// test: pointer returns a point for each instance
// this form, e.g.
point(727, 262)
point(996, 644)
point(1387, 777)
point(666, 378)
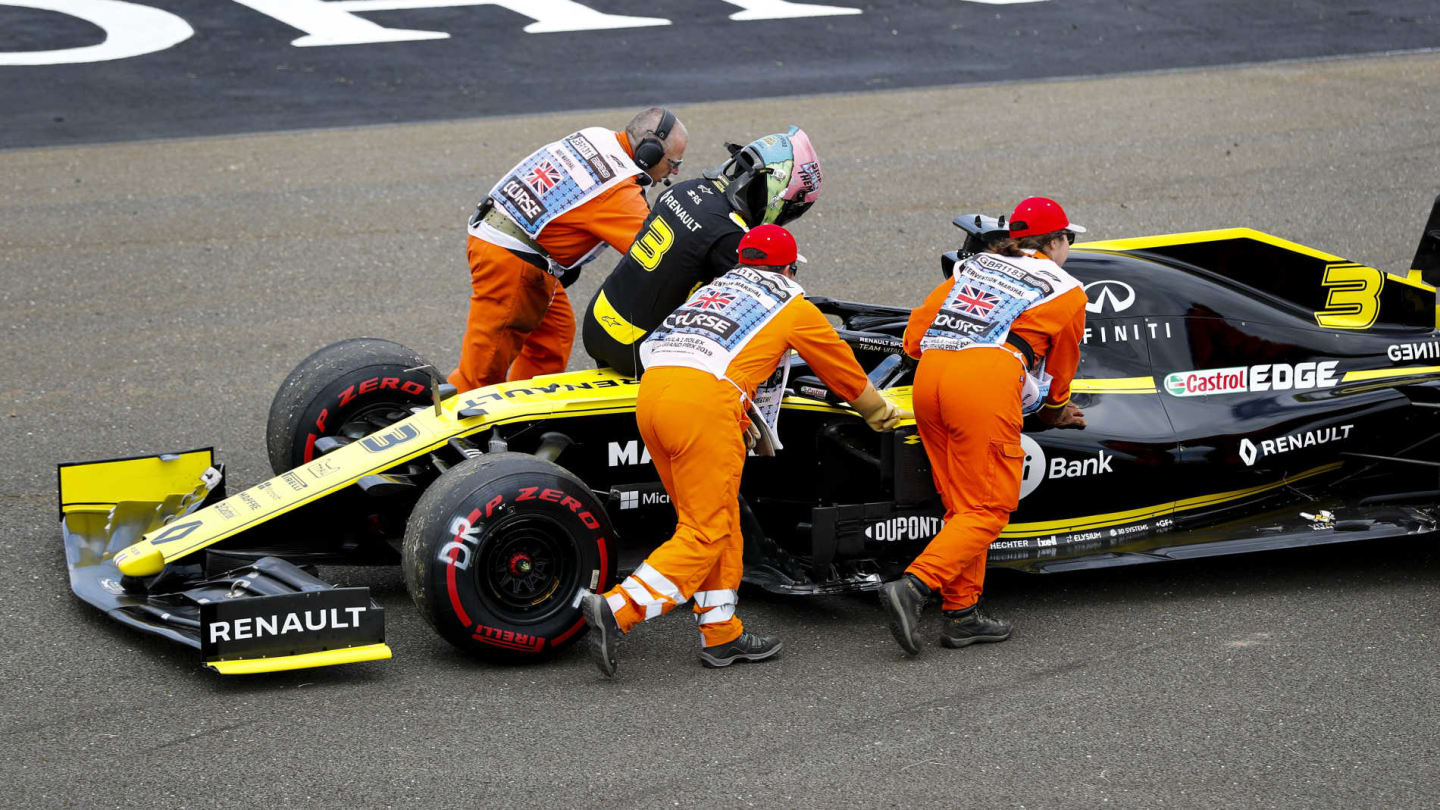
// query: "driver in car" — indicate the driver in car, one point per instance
point(690, 238)
point(997, 341)
point(708, 363)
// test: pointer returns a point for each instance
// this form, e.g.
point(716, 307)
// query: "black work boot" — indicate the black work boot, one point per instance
point(971, 626)
point(904, 599)
point(748, 647)
point(604, 634)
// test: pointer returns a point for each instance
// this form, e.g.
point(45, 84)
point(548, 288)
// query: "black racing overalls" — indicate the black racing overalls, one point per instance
point(689, 239)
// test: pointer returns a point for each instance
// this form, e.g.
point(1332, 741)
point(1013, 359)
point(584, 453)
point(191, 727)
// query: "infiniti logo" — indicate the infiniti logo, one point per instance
point(1117, 296)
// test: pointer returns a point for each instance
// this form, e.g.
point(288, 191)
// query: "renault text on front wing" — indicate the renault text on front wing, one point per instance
point(1241, 379)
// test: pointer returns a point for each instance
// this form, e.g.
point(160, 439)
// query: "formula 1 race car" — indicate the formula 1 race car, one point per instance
point(1242, 392)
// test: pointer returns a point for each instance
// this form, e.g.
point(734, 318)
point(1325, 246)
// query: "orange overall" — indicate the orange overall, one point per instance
point(520, 317)
point(967, 407)
point(692, 424)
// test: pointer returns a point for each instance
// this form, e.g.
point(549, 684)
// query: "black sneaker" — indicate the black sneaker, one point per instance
point(748, 647)
point(904, 599)
point(971, 626)
point(604, 635)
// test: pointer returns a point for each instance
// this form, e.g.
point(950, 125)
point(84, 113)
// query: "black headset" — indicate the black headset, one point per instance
point(651, 149)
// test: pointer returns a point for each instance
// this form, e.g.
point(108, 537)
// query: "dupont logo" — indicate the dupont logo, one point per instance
point(909, 527)
point(1241, 379)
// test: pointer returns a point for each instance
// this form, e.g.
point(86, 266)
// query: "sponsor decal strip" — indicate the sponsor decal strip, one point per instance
point(1242, 379)
point(1146, 512)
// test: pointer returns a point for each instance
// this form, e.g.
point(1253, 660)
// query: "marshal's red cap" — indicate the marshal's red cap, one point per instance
point(1036, 216)
point(768, 245)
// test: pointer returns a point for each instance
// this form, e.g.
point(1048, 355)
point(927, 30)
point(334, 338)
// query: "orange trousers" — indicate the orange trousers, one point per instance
point(691, 423)
point(520, 322)
point(967, 406)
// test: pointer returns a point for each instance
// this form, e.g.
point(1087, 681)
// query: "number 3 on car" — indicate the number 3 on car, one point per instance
point(650, 247)
point(1353, 300)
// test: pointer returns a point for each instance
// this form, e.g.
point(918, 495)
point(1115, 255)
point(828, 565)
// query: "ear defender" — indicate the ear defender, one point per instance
point(651, 149)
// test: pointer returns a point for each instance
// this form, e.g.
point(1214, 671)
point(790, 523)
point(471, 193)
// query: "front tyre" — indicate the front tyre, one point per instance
point(497, 550)
point(349, 389)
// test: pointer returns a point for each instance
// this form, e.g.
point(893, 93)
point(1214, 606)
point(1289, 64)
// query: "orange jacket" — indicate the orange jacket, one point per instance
point(799, 326)
point(614, 217)
point(1053, 329)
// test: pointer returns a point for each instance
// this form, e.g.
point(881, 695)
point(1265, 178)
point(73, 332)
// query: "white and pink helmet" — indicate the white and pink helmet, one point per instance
point(791, 169)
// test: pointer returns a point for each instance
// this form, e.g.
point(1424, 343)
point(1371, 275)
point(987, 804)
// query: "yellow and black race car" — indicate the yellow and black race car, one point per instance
point(1242, 392)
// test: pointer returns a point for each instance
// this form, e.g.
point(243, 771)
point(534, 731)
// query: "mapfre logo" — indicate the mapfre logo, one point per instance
point(1242, 379)
point(627, 454)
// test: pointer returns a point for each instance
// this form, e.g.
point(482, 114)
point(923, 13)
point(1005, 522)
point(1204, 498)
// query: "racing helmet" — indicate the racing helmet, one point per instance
point(772, 180)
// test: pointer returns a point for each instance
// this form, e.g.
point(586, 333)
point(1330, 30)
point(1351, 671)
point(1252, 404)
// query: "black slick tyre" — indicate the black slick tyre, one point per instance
point(360, 383)
point(497, 551)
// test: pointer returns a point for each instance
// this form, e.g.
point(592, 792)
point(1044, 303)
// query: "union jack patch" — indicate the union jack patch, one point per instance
point(714, 300)
point(543, 177)
point(975, 301)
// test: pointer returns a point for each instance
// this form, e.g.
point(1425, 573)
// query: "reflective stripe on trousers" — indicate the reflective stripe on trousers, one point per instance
point(715, 606)
point(648, 589)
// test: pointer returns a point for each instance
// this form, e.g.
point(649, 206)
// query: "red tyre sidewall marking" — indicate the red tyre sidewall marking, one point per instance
point(450, 576)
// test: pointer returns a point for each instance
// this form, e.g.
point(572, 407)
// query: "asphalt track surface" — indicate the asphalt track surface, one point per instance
point(238, 70)
point(154, 295)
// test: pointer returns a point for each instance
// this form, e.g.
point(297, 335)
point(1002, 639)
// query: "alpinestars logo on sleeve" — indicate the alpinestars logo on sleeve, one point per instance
point(714, 300)
point(975, 301)
point(543, 177)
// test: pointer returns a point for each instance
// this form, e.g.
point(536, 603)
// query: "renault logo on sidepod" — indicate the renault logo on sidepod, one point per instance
point(1108, 295)
point(1247, 452)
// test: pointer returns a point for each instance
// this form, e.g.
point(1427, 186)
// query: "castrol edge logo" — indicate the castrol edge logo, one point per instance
point(1240, 379)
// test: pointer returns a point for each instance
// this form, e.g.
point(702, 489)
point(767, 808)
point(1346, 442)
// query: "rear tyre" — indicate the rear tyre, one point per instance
point(497, 550)
point(356, 386)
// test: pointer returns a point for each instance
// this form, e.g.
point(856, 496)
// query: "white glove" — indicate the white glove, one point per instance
point(752, 436)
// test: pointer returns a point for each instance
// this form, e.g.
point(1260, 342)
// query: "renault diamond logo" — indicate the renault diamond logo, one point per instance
point(1247, 452)
point(1108, 295)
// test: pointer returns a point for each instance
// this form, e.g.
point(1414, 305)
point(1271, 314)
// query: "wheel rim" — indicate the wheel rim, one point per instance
point(363, 421)
point(526, 562)
point(372, 418)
